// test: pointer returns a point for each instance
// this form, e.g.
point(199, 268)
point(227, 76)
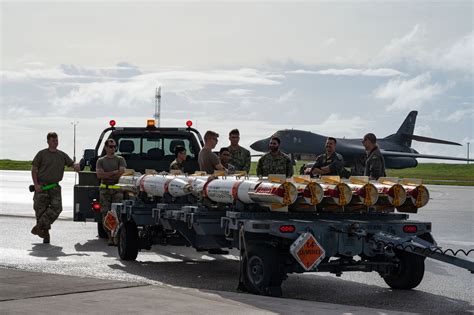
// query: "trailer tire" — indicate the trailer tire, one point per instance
point(101, 231)
point(261, 272)
point(128, 241)
point(409, 272)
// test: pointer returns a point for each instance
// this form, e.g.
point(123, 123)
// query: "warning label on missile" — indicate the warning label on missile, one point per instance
point(307, 251)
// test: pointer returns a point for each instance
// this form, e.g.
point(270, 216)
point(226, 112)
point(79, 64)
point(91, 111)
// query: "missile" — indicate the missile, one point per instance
point(309, 191)
point(158, 185)
point(390, 192)
point(417, 195)
point(228, 190)
point(129, 182)
point(335, 191)
point(197, 183)
point(273, 193)
point(363, 192)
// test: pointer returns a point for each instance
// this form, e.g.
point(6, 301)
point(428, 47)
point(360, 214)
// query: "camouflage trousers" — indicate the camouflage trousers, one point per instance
point(48, 206)
point(107, 197)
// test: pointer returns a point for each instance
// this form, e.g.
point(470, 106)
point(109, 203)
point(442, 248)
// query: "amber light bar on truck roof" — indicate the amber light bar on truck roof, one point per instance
point(150, 123)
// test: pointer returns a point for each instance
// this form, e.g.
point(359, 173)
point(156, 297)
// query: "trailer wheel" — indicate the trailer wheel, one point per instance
point(261, 272)
point(409, 272)
point(128, 241)
point(101, 231)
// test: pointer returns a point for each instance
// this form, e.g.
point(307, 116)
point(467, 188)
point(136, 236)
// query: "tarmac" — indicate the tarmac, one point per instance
point(25, 292)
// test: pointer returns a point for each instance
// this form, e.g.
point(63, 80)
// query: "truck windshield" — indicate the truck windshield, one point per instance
point(152, 147)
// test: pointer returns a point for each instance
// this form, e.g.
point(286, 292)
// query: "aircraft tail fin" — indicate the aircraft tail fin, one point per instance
point(405, 132)
point(405, 135)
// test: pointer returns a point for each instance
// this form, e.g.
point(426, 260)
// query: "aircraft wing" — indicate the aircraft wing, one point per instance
point(424, 156)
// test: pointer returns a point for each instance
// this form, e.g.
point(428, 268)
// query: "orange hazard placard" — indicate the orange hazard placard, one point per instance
point(307, 251)
point(110, 221)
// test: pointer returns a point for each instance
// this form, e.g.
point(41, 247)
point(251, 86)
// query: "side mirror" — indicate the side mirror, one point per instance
point(89, 155)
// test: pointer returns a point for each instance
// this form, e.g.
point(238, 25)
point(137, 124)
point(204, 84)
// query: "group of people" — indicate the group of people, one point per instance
point(332, 163)
point(230, 159)
point(48, 170)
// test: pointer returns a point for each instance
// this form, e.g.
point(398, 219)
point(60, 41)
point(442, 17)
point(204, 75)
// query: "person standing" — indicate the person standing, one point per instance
point(275, 161)
point(109, 168)
point(328, 163)
point(375, 163)
point(180, 157)
point(47, 171)
point(240, 157)
point(208, 160)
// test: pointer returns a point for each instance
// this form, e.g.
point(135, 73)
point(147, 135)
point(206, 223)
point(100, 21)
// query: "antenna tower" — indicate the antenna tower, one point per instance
point(158, 106)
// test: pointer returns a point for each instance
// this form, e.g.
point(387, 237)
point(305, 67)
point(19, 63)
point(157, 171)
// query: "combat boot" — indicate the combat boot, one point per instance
point(36, 230)
point(46, 238)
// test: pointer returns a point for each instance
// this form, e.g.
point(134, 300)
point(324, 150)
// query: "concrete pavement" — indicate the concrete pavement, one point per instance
point(24, 292)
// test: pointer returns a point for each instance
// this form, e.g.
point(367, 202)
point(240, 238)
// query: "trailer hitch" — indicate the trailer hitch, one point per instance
point(418, 246)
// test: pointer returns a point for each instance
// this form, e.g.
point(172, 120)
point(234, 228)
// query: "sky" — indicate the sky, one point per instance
point(338, 68)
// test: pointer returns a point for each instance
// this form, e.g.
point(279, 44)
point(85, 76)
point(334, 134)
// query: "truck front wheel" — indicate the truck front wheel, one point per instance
point(128, 241)
point(408, 274)
point(262, 274)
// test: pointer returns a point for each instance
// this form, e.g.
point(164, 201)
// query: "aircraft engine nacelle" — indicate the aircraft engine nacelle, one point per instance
point(400, 162)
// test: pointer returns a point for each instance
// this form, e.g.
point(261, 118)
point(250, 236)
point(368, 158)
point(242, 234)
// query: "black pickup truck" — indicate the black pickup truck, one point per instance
point(143, 148)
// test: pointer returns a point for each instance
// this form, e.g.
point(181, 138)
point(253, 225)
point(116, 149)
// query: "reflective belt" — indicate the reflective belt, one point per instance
point(49, 186)
point(109, 186)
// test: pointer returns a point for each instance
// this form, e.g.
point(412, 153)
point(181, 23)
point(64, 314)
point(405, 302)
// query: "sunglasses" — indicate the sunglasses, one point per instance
point(112, 146)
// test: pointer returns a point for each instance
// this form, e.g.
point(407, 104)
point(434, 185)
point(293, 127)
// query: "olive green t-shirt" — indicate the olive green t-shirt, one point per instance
point(51, 165)
point(110, 165)
point(207, 161)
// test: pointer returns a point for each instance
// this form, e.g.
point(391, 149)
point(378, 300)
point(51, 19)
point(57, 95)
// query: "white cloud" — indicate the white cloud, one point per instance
point(380, 72)
point(411, 93)
point(329, 42)
point(239, 92)
point(406, 47)
point(34, 74)
point(466, 113)
point(302, 71)
point(411, 49)
point(338, 126)
point(70, 88)
point(285, 97)
point(460, 56)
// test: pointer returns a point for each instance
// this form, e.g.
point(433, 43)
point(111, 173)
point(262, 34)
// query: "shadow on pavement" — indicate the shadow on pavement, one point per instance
point(223, 275)
point(50, 252)
point(97, 245)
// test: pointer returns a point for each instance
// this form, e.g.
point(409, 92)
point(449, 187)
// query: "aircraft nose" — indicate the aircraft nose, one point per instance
point(260, 145)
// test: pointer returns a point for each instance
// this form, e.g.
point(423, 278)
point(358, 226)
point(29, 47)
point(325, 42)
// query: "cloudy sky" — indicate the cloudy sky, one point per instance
point(340, 68)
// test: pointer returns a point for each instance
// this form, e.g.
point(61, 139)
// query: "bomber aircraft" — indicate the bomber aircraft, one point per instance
point(396, 148)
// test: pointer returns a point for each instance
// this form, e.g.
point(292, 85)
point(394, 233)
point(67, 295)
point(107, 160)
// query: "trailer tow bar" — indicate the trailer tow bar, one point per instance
point(418, 246)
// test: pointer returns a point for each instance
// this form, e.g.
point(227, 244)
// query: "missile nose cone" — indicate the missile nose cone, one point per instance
point(260, 145)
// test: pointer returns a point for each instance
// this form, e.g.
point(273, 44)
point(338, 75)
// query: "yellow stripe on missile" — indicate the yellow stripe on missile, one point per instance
point(359, 179)
point(412, 181)
point(331, 179)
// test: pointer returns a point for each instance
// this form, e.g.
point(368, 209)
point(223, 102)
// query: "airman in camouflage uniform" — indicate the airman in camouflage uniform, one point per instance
point(330, 162)
point(178, 163)
point(240, 157)
point(47, 171)
point(224, 157)
point(375, 163)
point(109, 168)
point(275, 162)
